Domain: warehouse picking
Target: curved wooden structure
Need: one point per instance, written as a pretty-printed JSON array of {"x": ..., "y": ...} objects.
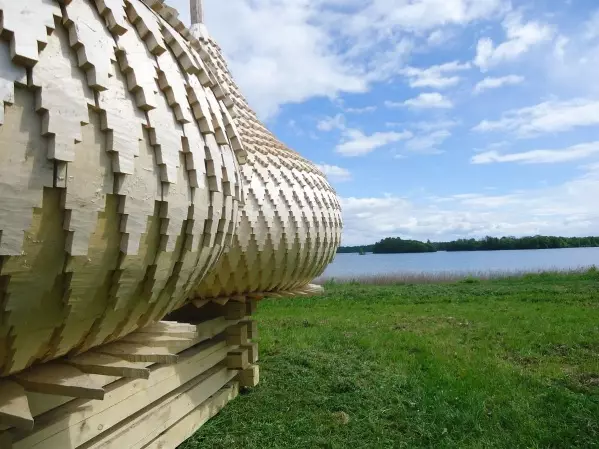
[{"x": 134, "y": 178}]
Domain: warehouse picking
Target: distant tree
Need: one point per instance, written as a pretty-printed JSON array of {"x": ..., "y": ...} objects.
[{"x": 489, "y": 243}]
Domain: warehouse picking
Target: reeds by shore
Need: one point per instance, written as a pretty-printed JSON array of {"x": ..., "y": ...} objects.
[{"x": 441, "y": 277}]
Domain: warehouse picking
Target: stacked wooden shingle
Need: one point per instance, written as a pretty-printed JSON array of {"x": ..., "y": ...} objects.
[{"x": 144, "y": 209}]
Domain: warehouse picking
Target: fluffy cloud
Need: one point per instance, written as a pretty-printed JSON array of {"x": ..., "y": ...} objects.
[
  {"x": 331, "y": 123},
  {"x": 429, "y": 100},
  {"x": 437, "y": 76},
  {"x": 520, "y": 38},
  {"x": 428, "y": 143},
  {"x": 495, "y": 83},
  {"x": 356, "y": 143},
  {"x": 334, "y": 173},
  {"x": 572, "y": 153},
  {"x": 546, "y": 117},
  {"x": 287, "y": 51},
  {"x": 562, "y": 209}
]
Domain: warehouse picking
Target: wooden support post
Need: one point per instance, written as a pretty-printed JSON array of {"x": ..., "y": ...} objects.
[
  {"x": 252, "y": 349},
  {"x": 252, "y": 306},
  {"x": 252, "y": 328},
  {"x": 238, "y": 359},
  {"x": 235, "y": 310},
  {"x": 237, "y": 335},
  {"x": 249, "y": 377}
]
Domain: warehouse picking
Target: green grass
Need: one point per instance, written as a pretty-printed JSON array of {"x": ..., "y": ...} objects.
[{"x": 506, "y": 363}]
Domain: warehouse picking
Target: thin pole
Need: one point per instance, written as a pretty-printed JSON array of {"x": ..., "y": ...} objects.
[{"x": 197, "y": 13}]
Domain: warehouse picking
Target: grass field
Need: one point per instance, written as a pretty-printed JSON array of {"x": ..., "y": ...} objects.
[{"x": 506, "y": 363}]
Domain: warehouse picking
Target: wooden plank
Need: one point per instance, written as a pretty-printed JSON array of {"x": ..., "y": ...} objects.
[
  {"x": 60, "y": 379},
  {"x": 252, "y": 348},
  {"x": 14, "y": 407},
  {"x": 169, "y": 341},
  {"x": 108, "y": 365},
  {"x": 135, "y": 352},
  {"x": 249, "y": 377},
  {"x": 77, "y": 422},
  {"x": 143, "y": 427},
  {"x": 169, "y": 326},
  {"x": 189, "y": 424},
  {"x": 238, "y": 359},
  {"x": 251, "y": 307},
  {"x": 237, "y": 335},
  {"x": 252, "y": 328},
  {"x": 235, "y": 310}
]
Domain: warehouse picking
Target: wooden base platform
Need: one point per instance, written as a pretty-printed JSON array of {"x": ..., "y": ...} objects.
[{"x": 152, "y": 389}]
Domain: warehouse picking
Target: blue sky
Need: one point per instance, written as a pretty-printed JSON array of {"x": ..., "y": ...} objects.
[{"x": 433, "y": 119}]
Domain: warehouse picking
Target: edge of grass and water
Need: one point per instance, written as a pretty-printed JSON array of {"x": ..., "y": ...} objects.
[{"x": 449, "y": 276}]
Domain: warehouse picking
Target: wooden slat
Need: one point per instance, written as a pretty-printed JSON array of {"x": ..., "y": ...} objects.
[
  {"x": 169, "y": 341},
  {"x": 133, "y": 352},
  {"x": 235, "y": 310},
  {"x": 238, "y": 359},
  {"x": 237, "y": 334},
  {"x": 252, "y": 348},
  {"x": 108, "y": 365},
  {"x": 143, "y": 427},
  {"x": 14, "y": 407},
  {"x": 188, "y": 425},
  {"x": 60, "y": 379},
  {"x": 170, "y": 328},
  {"x": 76, "y": 422},
  {"x": 249, "y": 377}
]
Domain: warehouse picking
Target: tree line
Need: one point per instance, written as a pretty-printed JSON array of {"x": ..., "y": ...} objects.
[{"x": 391, "y": 245}]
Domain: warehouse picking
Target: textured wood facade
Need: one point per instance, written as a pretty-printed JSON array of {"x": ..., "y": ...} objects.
[{"x": 134, "y": 179}]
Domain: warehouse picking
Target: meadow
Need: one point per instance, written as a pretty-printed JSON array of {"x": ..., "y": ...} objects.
[{"x": 508, "y": 362}]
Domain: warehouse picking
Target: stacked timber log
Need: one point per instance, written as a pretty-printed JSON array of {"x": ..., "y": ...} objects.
[
  {"x": 151, "y": 389},
  {"x": 144, "y": 209}
]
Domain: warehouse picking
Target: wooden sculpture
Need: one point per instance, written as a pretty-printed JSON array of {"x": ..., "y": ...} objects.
[{"x": 135, "y": 179}]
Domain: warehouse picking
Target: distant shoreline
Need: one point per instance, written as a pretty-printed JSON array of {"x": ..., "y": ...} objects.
[{"x": 397, "y": 245}]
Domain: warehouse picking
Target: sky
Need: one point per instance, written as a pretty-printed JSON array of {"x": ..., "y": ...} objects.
[{"x": 432, "y": 119}]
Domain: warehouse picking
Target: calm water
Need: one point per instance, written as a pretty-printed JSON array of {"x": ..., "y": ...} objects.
[{"x": 475, "y": 261}]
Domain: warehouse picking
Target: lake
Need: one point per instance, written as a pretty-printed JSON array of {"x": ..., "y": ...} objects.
[{"x": 346, "y": 265}]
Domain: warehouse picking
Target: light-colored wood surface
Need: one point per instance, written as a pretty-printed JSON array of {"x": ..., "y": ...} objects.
[
  {"x": 60, "y": 379},
  {"x": 135, "y": 178},
  {"x": 188, "y": 425},
  {"x": 14, "y": 408}
]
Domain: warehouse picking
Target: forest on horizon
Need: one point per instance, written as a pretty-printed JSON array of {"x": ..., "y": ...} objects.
[{"x": 392, "y": 245}]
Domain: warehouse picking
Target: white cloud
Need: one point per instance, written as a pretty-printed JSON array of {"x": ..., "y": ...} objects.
[
  {"x": 288, "y": 51},
  {"x": 591, "y": 27},
  {"x": 363, "y": 110},
  {"x": 437, "y": 76},
  {"x": 547, "y": 117},
  {"x": 521, "y": 37},
  {"x": 334, "y": 173},
  {"x": 495, "y": 83},
  {"x": 429, "y": 100},
  {"x": 434, "y": 125},
  {"x": 356, "y": 143},
  {"x": 331, "y": 123},
  {"x": 428, "y": 143},
  {"x": 569, "y": 154},
  {"x": 562, "y": 209}
]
